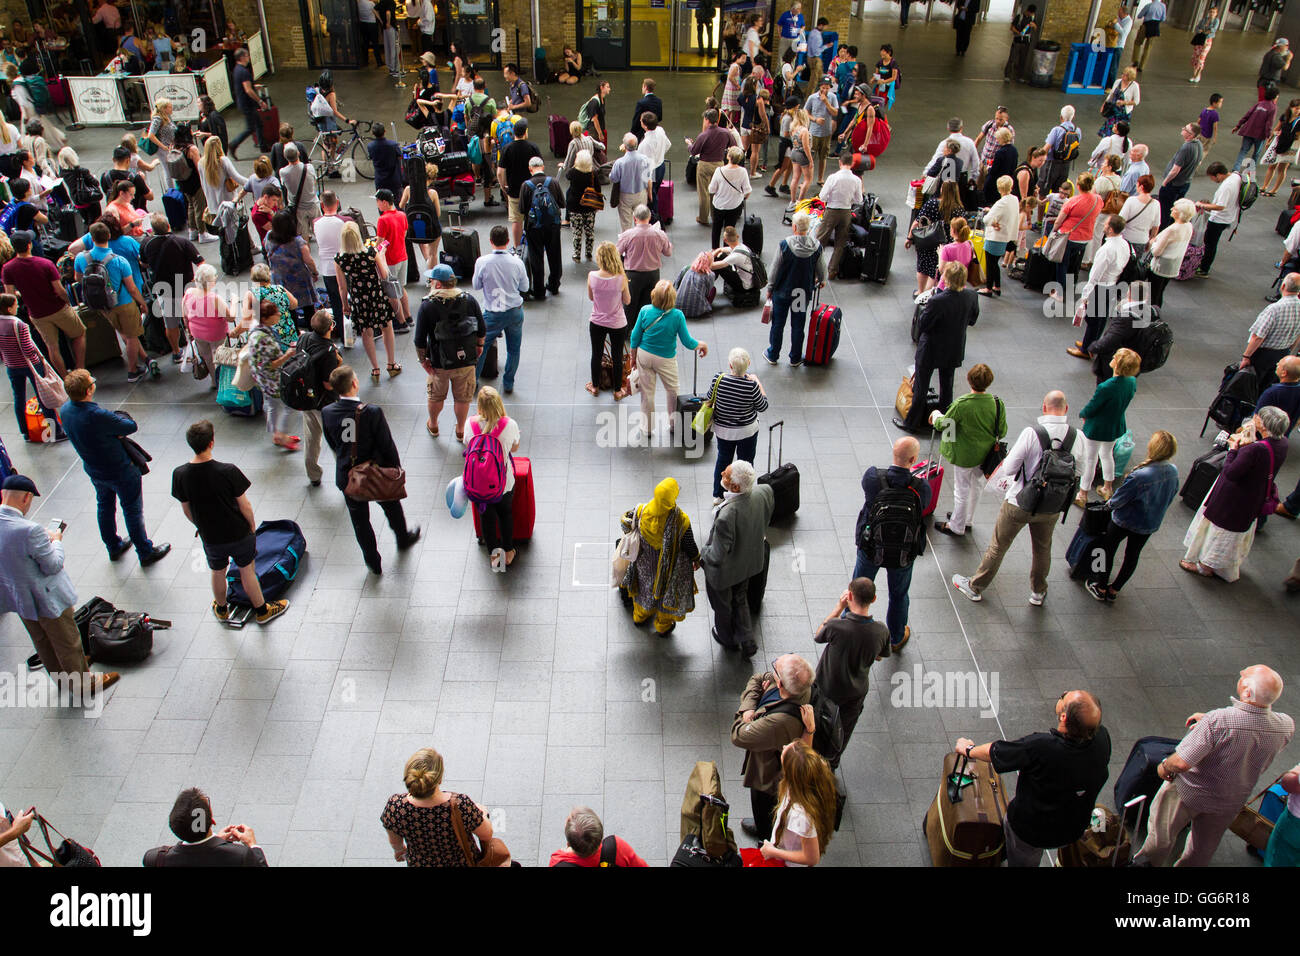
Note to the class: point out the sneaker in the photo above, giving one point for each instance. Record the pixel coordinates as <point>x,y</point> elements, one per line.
<point>207,237</point>
<point>962,584</point>
<point>784,190</point>
<point>1036,598</point>
<point>219,613</point>
<point>135,376</point>
<point>770,191</point>
<point>176,357</point>
<point>768,355</point>
<point>273,610</point>
<point>1096,590</point>
<point>795,363</point>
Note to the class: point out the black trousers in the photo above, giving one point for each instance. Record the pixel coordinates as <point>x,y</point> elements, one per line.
<point>616,339</point>
<point>544,242</point>
<point>918,416</point>
<point>639,285</point>
<point>1103,301</point>
<point>1110,543</point>
<point>1158,284</point>
<point>731,612</point>
<point>963,35</point>
<point>1264,361</point>
<point>359,512</point>
<point>992,272</point>
<point>336,304</point>
<point>253,128</point>
<point>370,40</point>
<point>1213,232</point>
<point>763,806</point>
<point>722,218</point>
<point>498,523</point>
<point>850,711</point>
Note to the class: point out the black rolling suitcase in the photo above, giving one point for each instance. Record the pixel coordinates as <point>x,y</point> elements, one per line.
<point>1139,777</point>
<point>757,585</point>
<point>878,254</point>
<point>751,234</point>
<point>237,257</point>
<point>1205,470</point>
<point>66,223</point>
<point>1082,551</point>
<point>687,406</point>
<point>1039,271</point>
<point>784,479</point>
<point>851,262</point>
<point>460,250</point>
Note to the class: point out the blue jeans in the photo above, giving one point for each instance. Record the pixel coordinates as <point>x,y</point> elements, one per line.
<point>782,306</point>
<point>511,324</point>
<point>18,379</point>
<point>1249,146</point>
<point>128,489</point>
<point>900,580</point>
<point>728,451</point>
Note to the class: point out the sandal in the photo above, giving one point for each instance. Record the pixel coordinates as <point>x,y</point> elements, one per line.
<point>592,389</point>
<point>394,369</point>
<point>1195,569</point>
<point>431,429</point>
<point>620,395</point>
<point>374,376</point>
<point>987,292</point>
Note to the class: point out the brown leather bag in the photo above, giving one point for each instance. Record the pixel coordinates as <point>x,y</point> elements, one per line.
<point>494,854</point>
<point>368,481</point>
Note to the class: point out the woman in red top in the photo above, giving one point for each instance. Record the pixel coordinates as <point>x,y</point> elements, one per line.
<point>18,350</point>
<point>266,206</point>
<point>1078,219</point>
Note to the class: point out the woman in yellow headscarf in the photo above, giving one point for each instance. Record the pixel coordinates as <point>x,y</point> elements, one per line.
<point>660,583</point>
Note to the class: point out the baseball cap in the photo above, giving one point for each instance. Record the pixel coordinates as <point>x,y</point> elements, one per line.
<point>441,273</point>
<point>386,195</point>
<point>826,80</point>
<point>1281,41</point>
<point>20,483</point>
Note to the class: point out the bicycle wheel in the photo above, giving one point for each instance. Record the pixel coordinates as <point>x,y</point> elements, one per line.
<point>365,168</point>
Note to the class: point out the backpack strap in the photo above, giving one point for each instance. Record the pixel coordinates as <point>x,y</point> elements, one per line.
<point>608,851</point>
<point>499,427</point>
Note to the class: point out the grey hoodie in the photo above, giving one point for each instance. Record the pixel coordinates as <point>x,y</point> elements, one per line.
<point>801,247</point>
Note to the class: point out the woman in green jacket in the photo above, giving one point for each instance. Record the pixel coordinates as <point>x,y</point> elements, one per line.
<point>1103,423</point>
<point>970,427</point>
<point>654,350</point>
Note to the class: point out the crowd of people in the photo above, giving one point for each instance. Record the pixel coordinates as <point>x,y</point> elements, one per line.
<point>982,209</point>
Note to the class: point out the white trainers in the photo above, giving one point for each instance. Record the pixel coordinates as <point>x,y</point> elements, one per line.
<point>962,584</point>
<point>1036,598</point>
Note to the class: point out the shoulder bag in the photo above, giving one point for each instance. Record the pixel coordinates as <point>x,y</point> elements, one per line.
<point>368,481</point>
<point>494,854</point>
<point>974,274</point>
<point>1055,245</point>
<point>703,419</point>
<point>927,235</point>
<point>997,452</point>
<point>49,387</point>
<point>626,551</point>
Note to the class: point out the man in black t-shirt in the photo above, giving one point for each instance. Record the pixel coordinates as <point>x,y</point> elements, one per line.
<point>1061,773</point>
<point>214,497</point>
<point>171,260</point>
<point>246,99</point>
<point>121,173</point>
<point>513,172</point>
<point>854,641</point>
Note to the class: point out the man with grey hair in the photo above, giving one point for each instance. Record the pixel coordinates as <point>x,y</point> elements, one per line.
<point>587,844</point>
<point>966,151</point>
<point>1274,332</point>
<point>1137,166</point>
<point>1062,148</point>
<point>1179,172</point>
<point>774,711</point>
<point>302,202</point>
<point>1215,769</point>
<point>642,248</point>
<point>735,553</point>
<point>631,173</point>
<point>797,272</point>
<point>542,217</point>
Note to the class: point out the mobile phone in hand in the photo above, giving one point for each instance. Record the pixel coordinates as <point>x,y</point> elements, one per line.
<point>57,526</point>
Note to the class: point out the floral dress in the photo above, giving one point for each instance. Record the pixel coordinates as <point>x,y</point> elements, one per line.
<point>927,260</point>
<point>368,305</point>
<point>263,349</point>
<point>429,832</point>
<point>284,330</point>
<point>289,269</point>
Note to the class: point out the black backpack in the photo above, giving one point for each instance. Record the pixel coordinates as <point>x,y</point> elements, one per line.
<point>83,187</point>
<point>96,287</point>
<point>457,333</point>
<point>299,383</point>
<point>894,535</point>
<point>828,736</point>
<point>1069,146</point>
<point>1153,344</point>
<point>1055,481</point>
<point>759,270</point>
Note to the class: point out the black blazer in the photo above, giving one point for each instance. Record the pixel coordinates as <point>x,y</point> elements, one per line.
<point>374,441</point>
<point>943,324</point>
<point>650,103</point>
<point>214,852</point>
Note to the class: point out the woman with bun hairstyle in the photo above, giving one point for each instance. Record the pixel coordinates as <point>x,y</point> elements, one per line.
<point>419,822</point>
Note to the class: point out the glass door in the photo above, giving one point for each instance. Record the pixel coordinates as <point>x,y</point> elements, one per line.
<point>602,28</point>
<point>470,24</point>
<point>696,34</point>
<point>331,31</point>
<point>649,34</point>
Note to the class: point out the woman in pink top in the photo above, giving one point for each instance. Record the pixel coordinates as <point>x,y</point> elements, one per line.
<point>608,291</point>
<point>207,316</point>
<point>18,350</point>
<point>1078,220</point>
<point>959,250</point>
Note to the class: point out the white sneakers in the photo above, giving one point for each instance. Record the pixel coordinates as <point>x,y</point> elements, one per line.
<point>1036,598</point>
<point>962,584</point>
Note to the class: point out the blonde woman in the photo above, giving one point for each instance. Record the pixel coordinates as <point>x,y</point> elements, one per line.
<point>608,291</point>
<point>581,178</point>
<point>654,339</point>
<point>497,521</point>
<point>1001,228</point>
<point>579,141</point>
<point>804,820</point>
<point>222,182</point>
<point>800,155</point>
<point>428,249</point>
<point>162,132</point>
<point>364,299</point>
<point>1104,423</point>
<point>419,822</point>
<point>207,315</point>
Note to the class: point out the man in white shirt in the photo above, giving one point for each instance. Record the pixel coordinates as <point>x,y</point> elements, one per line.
<point>654,147</point>
<point>734,262</point>
<point>1022,461</point>
<point>843,191</point>
<point>1224,209</point>
<point>428,24</point>
<point>1099,297</point>
<point>327,230</point>
<point>1123,24</point>
<point>966,151</point>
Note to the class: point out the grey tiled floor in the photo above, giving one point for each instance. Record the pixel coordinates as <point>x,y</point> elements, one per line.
<point>535,685</point>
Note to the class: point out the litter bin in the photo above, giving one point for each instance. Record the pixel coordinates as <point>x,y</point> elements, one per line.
<point>1043,64</point>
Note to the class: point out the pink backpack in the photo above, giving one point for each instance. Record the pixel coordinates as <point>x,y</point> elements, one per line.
<point>485,465</point>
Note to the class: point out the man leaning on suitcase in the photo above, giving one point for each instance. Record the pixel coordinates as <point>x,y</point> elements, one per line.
<point>1061,773</point>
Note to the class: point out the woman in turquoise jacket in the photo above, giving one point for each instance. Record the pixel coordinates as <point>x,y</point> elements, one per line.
<point>1103,423</point>
<point>654,350</point>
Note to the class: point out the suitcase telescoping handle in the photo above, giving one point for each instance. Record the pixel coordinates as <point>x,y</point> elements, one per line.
<point>780,448</point>
<point>1123,818</point>
<point>934,436</point>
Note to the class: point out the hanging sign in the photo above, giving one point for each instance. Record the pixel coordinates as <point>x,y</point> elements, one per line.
<point>96,100</point>
<point>181,88</point>
<point>216,81</point>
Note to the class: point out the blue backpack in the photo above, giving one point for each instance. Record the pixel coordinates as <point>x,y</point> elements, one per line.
<point>543,210</point>
<point>8,214</point>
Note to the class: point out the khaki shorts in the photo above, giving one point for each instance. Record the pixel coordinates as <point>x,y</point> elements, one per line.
<point>65,321</point>
<point>514,214</point>
<point>460,380</point>
<point>125,319</point>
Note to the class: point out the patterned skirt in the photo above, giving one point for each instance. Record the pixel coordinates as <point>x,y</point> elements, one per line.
<point>1199,53</point>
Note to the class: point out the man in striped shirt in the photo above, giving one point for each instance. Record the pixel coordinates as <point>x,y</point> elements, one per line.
<point>1215,769</point>
<point>1275,332</point>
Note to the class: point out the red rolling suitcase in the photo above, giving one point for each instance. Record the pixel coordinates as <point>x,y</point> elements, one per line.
<point>559,127</point>
<point>268,117</point>
<point>823,334</point>
<point>930,470</point>
<point>664,198</point>
<point>523,507</point>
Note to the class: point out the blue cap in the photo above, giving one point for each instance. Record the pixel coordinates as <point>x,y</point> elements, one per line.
<point>441,273</point>
<point>20,483</point>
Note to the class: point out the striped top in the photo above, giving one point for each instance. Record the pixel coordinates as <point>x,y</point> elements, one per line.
<point>1228,749</point>
<point>15,342</point>
<point>736,408</point>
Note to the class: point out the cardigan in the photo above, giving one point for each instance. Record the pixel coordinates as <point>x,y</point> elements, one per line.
<point>1238,496</point>
<point>1103,416</point>
<point>657,335</point>
<point>977,420</point>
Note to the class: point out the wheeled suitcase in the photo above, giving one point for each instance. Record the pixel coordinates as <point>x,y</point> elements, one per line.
<point>460,250</point>
<point>101,340</point>
<point>523,506</point>
<point>280,549</point>
<point>704,817</point>
<point>757,585</point>
<point>963,826</point>
<point>687,406</point>
<point>1235,400</point>
<point>930,470</point>
<point>823,335</point>
<point>67,223</point>
<point>491,365</point>
<point>237,257</point>
<point>751,234</point>
<point>1039,271</point>
<point>1139,777</point>
<point>268,118</point>
<point>1205,471</point>
<point>691,853</point>
<point>560,137</point>
<point>878,254</point>
<point>1081,553</point>
<point>174,206</point>
<point>664,197</point>
<point>784,479</point>
<point>851,262</point>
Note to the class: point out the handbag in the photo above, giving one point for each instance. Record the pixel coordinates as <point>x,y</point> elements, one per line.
<point>997,452</point>
<point>1198,39</point>
<point>230,184</point>
<point>49,387</point>
<point>704,417</point>
<point>494,854</point>
<point>368,481</point>
<point>1055,246</point>
<point>903,398</point>
<point>1271,497</point>
<point>67,853</point>
<point>148,146</point>
<point>139,457</point>
<point>592,199</point>
<point>766,318</point>
<point>974,274</point>
<point>393,287</point>
<point>243,379</point>
<point>626,550</point>
<point>615,195</point>
<point>1251,825</point>
<point>927,235</point>
<point>198,367</point>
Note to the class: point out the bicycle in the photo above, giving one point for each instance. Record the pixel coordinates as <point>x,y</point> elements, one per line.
<point>325,163</point>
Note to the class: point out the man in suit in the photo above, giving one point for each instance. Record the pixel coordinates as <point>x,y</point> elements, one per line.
<point>941,345</point>
<point>648,103</point>
<point>357,432</point>
<point>736,552</point>
<point>191,821</point>
<point>97,435</point>
<point>35,586</point>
